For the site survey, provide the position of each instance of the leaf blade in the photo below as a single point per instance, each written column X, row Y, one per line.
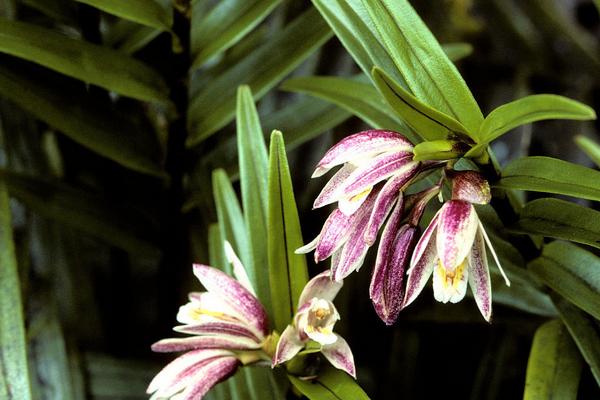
column 331, row 384
column 145, row 12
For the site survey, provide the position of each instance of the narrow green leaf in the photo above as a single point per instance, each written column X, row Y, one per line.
column 428, row 72
column 430, row 124
column 225, row 24
column 253, row 160
column 287, row 270
column 561, row 220
column 589, row 147
column 216, row 250
column 551, row 175
column 145, row 12
column 332, row 384
column 60, row 10
column 14, row 374
column 129, row 37
column 214, row 106
column 572, row 272
column 529, row 109
column 585, row 333
column 84, row 120
column 231, row 220
column 358, row 97
column 554, row 366
column 82, row 60
column 120, row 226
column 457, row 51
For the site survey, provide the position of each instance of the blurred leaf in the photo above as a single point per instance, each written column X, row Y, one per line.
column 430, row 124
column 554, row 365
column 231, row 222
column 428, row 72
column 129, row 37
column 145, row 12
column 551, row 175
column 225, row 24
column 358, row 97
column 560, row 219
column 82, row 60
column 119, row 226
column 60, row 10
column 529, row 109
column 216, row 250
column 457, row 51
column 287, row 270
column 252, row 153
column 589, row 147
column 572, row 272
column 584, row 330
column 14, row 374
column 84, row 120
column 331, row 384
column 214, row 106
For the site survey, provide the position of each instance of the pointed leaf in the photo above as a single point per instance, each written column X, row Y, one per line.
column 554, row 365
column 14, row 373
column 287, row 270
column 429, row 123
column 84, row 120
column 530, row 109
column 589, row 147
column 572, row 272
column 584, row 330
column 214, row 106
column 225, row 24
column 253, row 160
column 331, row 384
column 551, row 175
column 82, row 60
column 560, row 219
column 428, row 72
column 145, row 12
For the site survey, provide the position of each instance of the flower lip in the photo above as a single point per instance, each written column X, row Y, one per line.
column 318, row 319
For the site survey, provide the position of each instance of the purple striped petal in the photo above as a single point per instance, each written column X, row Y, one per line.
column 383, row 205
column 419, row 273
column 321, row 287
column 426, row 238
column 378, row 169
column 457, row 226
column 217, row 328
column 333, row 189
column 479, row 277
column 470, row 186
column 288, row 346
column 362, row 144
column 234, row 294
column 340, row 356
column 334, row 234
column 417, row 203
column 387, row 293
column 221, row 341
column 208, row 376
column 173, row 373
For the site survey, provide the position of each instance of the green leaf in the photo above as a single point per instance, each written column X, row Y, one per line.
column 254, row 161
column 60, row 10
column 129, row 37
column 145, row 12
column 287, row 270
column 214, row 106
column 584, row 331
column 84, row 120
column 82, row 60
column 430, row 124
column 457, row 51
column 14, row 373
column 554, row 366
column 120, row 226
column 225, row 24
column 231, row 221
column 572, row 272
column 428, row 72
column 561, row 220
column 359, row 98
column 589, row 147
column 529, row 109
column 331, row 384
column 551, row 175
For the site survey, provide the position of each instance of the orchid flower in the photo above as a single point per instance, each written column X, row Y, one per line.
column 452, row 248
column 228, row 325
column 376, row 166
column 314, row 322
